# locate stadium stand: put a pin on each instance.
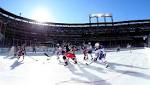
(17, 30)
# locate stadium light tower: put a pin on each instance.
(101, 15)
(20, 14)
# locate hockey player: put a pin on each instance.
(129, 47)
(101, 55)
(20, 52)
(118, 48)
(85, 52)
(69, 54)
(59, 50)
(34, 49)
(89, 48)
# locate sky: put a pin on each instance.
(77, 11)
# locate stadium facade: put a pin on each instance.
(17, 30)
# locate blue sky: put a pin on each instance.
(77, 11)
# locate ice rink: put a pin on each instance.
(126, 68)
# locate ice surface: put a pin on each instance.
(126, 68)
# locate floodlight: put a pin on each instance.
(101, 15)
(108, 15)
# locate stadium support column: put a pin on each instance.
(97, 20)
(112, 20)
(90, 19)
(148, 40)
(105, 20)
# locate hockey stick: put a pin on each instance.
(46, 54)
(93, 60)
(48, 57)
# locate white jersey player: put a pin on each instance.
(59, 51)
(129, 47)
(100, 54)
